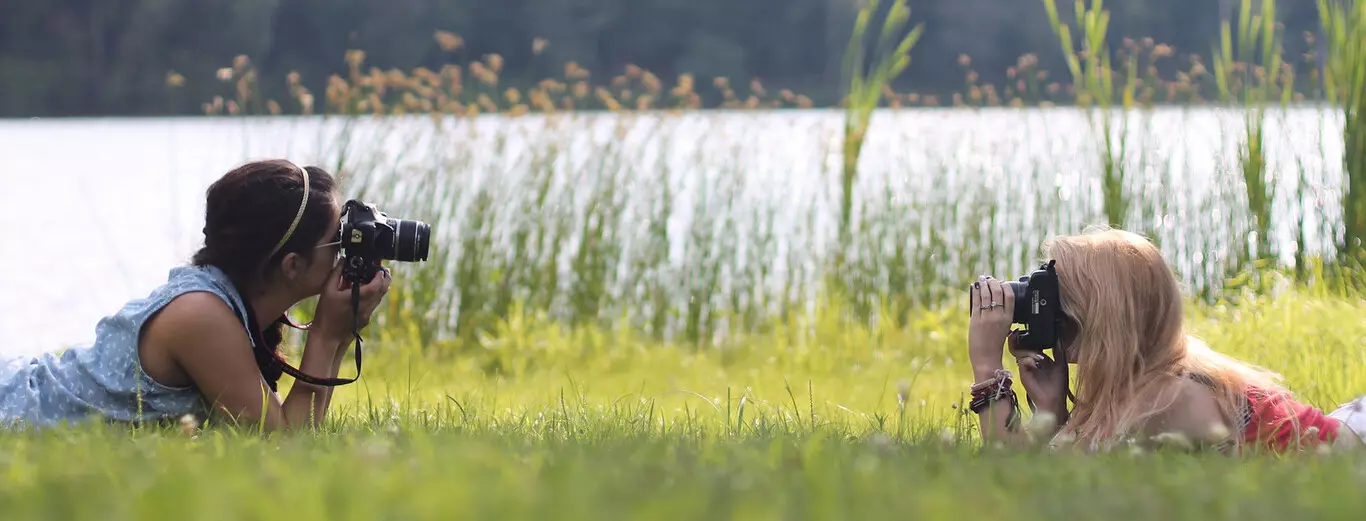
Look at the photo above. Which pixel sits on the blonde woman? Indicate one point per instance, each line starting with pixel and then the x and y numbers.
pixel 1139 374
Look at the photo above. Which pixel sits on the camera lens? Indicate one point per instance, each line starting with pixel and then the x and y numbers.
pixel 411 240
pixel 1021 289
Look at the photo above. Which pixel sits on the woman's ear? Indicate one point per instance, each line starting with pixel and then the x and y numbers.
pixel 293 265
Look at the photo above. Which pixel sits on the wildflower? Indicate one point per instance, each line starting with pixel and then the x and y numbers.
pixel 651 82
pixel 1218 431
pixel 240 62
pixel 449 41
pixel 174 79
pixel 375 449
pixel 487 103
pixel 225 74
pixel 903 393
pixel 964 60
pixel 1064 439
pixel 355 57
pixel 538 46
pixel 188 425
pixel 1173 439
pixel 880 440
pixel 1042 425
pixel 574 72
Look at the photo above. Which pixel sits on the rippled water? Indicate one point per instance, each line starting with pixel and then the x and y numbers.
pixel 96 211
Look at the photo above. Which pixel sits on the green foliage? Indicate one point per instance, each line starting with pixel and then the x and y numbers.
pixel 866 87
pixel 1345 84
pixel 1253 86
pixel 817 420
pixel 1090 65
pixel 80 58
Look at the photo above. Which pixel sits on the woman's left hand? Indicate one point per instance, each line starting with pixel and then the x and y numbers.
pixel 992 310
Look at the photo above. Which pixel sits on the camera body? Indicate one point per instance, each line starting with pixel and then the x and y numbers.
pixel 368 236
pixel 1038 307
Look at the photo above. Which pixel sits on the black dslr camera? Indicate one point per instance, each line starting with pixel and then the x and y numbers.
pixel 368 237
pixel 1037 301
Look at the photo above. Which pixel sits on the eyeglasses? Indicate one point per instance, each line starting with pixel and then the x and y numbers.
pixel 336 242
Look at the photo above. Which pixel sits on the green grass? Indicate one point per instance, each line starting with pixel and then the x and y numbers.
pixel 660 222
pixel 817 421
pixel 604 334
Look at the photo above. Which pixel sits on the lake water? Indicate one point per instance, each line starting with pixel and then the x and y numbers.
pixel 97 210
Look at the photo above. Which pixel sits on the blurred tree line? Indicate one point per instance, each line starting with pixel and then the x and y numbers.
pixel 112 57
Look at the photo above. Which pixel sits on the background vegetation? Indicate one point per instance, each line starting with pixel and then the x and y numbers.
pixel 602 333
pixel 86 58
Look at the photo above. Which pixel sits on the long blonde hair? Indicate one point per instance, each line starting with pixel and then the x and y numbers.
pixel 1128 340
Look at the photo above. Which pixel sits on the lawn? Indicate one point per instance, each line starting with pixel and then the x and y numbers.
pixel 813 421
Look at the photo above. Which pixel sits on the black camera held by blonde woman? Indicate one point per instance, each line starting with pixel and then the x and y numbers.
pixel 1037 301
pixel 368 237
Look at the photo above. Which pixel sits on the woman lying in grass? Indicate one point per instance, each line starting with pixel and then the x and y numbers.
pixel 1139 375
pixel 195 344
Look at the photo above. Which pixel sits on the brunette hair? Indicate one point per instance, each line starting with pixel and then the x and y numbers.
pixel 248 212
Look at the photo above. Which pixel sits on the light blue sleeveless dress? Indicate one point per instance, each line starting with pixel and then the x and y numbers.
pixel 105 380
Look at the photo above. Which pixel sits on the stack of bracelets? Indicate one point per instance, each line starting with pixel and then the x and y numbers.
pixel 996 388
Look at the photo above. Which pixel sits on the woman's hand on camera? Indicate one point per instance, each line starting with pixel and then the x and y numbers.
pixel 993 307
pixel 1042 379
pixel 335 315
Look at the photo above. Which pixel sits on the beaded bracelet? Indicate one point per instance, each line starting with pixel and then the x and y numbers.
pixel 997 388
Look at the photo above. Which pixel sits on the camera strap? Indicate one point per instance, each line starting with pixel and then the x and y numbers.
pixel 268 359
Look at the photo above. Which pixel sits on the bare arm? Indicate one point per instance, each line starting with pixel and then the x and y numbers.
pixel 206 340
pixel 1194 415
pixel 994 420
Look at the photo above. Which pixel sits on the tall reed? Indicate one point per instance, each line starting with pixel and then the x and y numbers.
pixel 1344 26
pixel 618 205
pixel 865 91
pixel 1092 72
pixel 1253 87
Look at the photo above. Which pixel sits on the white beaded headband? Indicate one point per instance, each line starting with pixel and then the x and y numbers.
pixel 297 217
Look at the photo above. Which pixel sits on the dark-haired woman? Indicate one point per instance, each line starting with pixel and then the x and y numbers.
pixel 204 341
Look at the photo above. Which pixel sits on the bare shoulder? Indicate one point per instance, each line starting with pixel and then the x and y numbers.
pixel 1194 413
pixel 195 314
pixel 195 325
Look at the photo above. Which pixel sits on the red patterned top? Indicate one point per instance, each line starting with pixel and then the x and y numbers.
pixel 1276 420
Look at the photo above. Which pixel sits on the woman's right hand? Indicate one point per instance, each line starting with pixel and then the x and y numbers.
pixel 1042 379
pixel 335 316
